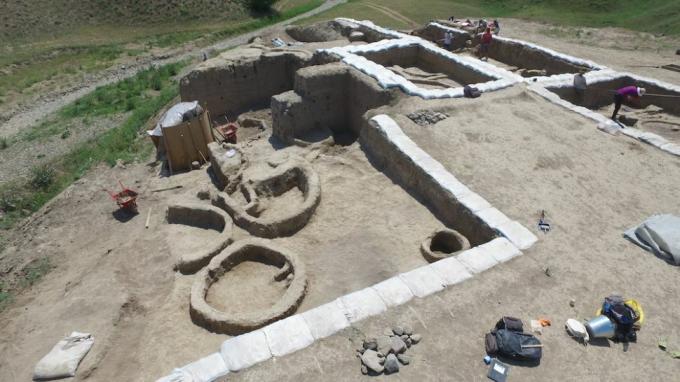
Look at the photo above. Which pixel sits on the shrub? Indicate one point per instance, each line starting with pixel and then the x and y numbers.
pixel 43 177
pixel 261 5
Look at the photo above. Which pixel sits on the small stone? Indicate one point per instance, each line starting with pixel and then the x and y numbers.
pixel 404 359
pixel 370 359
pixel 195 165
pixel 398 345
pixel 371 344
pixel 404 337
pixel 408 342
pixel 416 338
pixel 388 332
pixel 572 302
pixel 364 369
pixel 391 364
pixel 408 330
pixel 384 344
pixel 398 330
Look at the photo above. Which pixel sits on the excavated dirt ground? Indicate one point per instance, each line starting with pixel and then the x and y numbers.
pixel 651 118
pixel 115 279
pixel 593 187
pixel 365 229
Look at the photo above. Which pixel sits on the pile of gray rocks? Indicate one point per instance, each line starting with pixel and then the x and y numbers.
pixel 387 352
pixel 426 117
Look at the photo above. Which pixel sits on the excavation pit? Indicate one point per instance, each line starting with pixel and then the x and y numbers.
pixel 442 244
pixel 658 111
pixel 197 232
pixel 273 202
pixel 250 284
pixel 425 68
pixel 521 57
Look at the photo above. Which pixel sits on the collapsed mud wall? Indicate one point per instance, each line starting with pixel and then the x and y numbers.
pixel 333 96
pixel 242 79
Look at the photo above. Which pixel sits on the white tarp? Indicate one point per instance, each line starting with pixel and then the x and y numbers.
pixel 180 112
pixel 659 234
pixel 62 361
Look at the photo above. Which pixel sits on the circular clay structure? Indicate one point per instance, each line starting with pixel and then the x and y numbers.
pixel 443 243
pixel 292 174
pixel 204 244
pixel 236 321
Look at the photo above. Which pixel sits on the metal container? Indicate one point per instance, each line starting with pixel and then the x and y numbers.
pixel 601 327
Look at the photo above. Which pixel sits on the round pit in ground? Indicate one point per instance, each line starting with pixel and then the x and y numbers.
pixel 443 243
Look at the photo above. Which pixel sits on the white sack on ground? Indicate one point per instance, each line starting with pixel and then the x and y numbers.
pixel 659 234
pixel 62 361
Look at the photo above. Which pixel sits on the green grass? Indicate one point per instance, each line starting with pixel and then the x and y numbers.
pixel 30 274
pixel 19 199
pixel 5 296
pixel 35 271
pixel 656 16
pixel 23 72
pixel 264 21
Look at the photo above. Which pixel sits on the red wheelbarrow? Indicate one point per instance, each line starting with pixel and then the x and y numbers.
pixel 125 199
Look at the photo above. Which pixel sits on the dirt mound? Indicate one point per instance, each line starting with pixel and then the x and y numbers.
pixel 319 32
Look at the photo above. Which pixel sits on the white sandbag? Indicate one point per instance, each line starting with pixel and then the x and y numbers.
pixel 62 361
pixel 178 113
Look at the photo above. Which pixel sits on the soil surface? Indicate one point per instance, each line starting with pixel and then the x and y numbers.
pixel 115 279
pixel 524 155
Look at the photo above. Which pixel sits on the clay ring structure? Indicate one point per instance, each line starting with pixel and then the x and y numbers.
pixel 443 243
pixel 288 175
pixel 206 217
pixel 254 249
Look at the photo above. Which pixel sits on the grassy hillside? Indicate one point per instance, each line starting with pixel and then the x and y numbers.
pixel 656 16
pixel 20 19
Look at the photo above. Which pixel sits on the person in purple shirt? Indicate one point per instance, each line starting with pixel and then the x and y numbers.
pixel 626 93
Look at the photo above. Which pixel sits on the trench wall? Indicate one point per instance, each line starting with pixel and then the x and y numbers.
pixel 333 96
pixel 410 174
pixel 601 93
pixel 514 52
pixel 416 55
pixel 238 85
pixel 435 33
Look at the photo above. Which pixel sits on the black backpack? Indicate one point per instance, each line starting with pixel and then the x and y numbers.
pixel 508 340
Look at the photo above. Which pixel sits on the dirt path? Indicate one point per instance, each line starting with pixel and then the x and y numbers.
pixel 393 14
pixel 28 115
